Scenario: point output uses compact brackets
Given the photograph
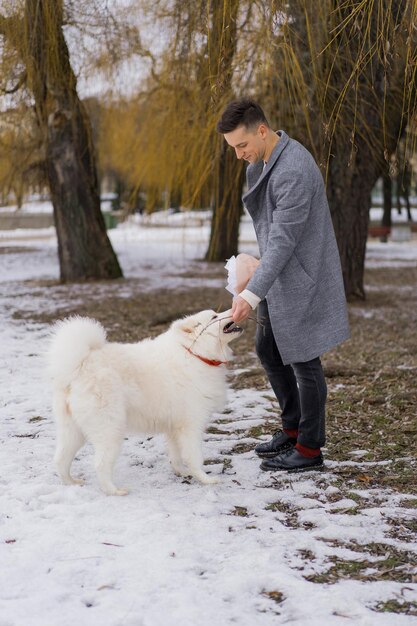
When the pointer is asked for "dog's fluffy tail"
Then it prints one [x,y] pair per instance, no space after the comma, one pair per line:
[72,341]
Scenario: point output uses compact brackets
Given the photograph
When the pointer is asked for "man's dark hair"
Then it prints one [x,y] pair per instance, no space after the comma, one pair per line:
[243,112]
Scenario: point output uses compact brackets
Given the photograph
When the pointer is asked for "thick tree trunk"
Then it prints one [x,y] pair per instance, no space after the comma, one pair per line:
[84,249]
[224,236]
[349,195]
[229,176]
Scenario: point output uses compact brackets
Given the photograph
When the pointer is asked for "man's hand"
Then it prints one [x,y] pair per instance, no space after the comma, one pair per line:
[240,309]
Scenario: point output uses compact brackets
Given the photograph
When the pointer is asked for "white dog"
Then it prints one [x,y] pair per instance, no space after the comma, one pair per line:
[170,384]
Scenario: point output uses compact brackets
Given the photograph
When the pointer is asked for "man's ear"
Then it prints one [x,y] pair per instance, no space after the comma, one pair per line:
[262,130]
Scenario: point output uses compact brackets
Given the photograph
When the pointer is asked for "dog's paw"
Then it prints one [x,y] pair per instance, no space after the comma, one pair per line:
[73,481]
[210,480]
[180,471]
[114,491]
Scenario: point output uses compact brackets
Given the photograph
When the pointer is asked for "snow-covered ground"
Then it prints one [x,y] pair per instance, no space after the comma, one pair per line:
[35,204]
[172,552]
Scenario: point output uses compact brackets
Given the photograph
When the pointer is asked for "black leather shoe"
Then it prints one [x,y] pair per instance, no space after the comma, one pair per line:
[292,461]
[279,443]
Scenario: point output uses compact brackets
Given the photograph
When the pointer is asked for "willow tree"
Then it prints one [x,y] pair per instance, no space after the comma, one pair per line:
[172,148]
[346,88]
[35,32]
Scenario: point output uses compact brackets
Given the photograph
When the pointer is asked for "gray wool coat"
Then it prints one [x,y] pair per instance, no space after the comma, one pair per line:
[299,274]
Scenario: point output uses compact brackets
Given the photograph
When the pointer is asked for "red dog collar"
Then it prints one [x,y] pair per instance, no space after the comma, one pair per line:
[208,361]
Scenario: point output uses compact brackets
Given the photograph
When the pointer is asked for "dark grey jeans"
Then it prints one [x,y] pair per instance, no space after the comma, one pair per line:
[300,388]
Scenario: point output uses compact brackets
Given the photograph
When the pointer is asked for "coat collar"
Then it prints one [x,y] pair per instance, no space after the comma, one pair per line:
[256,173]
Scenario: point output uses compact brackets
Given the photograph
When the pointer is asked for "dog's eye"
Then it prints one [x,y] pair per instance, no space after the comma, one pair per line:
[214,317]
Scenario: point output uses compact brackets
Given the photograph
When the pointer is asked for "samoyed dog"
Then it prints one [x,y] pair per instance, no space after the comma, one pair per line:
[170,384]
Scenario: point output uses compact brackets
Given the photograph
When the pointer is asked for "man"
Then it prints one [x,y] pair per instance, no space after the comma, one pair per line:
[298,285]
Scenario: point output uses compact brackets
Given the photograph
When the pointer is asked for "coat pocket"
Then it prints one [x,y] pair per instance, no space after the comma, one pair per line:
[294,278]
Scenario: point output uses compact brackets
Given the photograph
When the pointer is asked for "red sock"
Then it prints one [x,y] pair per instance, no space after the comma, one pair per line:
[291,432]
[308,452]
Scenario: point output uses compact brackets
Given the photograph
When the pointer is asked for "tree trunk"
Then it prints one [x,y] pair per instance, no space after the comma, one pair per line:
[228,178]
[349,193]
[386,221]
[224,236]
[387,199]
[405,188]
[84,248]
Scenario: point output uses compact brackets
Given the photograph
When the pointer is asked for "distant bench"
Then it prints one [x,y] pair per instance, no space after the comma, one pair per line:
[12,221]
[379,231]
[399,231]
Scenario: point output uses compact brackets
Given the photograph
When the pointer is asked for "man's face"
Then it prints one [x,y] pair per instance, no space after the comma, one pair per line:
[249,144]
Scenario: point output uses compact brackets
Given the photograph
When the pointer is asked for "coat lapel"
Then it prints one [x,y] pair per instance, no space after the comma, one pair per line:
[257,174]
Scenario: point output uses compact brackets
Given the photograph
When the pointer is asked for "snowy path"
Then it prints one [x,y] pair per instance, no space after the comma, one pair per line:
[172,552]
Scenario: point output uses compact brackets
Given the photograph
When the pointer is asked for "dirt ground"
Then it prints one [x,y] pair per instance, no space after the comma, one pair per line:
[372,396]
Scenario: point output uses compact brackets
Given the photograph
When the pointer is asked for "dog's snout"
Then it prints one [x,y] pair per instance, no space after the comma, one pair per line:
[231,327]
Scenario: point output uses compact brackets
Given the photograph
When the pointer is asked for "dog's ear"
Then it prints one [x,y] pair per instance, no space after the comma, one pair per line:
[186,325]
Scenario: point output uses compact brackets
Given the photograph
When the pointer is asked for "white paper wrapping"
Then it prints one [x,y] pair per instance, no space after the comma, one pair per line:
[231,275]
